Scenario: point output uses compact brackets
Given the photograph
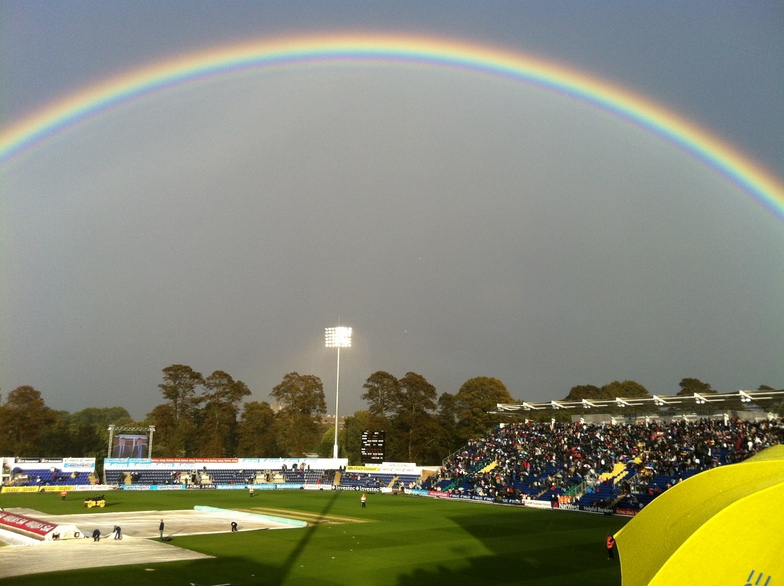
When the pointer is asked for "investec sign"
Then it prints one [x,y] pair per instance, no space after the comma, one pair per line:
[26,524]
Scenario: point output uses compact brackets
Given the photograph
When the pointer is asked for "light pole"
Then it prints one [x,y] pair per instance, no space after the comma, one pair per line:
[339,337]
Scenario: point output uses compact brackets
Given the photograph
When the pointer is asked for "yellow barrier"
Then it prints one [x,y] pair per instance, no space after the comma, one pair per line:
[21,489]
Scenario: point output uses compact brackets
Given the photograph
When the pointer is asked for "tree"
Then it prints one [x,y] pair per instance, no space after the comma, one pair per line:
[218,417]
[414,424]
[580,392]
[23,418]
[475,399]
[689,386]
[179,388]
[100,416]
[298,423]
[627,389]
[382,392]
[166,444]
[178,433]
[256,435]
[448,438]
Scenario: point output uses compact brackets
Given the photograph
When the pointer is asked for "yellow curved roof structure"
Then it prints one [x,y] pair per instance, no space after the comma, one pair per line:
[723,526]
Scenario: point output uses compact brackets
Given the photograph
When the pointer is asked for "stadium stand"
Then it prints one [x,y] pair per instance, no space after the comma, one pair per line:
[598,465]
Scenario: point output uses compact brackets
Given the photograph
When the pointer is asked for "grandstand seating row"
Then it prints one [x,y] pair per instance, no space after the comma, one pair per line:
[45,477]
[207,475]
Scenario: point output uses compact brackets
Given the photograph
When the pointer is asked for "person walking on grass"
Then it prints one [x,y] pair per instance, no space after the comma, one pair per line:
[363,500]
[160,528]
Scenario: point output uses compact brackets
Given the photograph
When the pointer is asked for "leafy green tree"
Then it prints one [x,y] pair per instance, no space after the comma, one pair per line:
[256,432]
[474,401]
[176,427]
[298,423]
[166,444]
[23,418]
[415,429]
[102,417]
[179,387]
[689,386]
[383,394]
[448,438]
[580,392]
[218,418]
[627,389]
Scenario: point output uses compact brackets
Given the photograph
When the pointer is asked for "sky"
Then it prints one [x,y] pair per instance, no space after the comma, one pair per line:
[463,224]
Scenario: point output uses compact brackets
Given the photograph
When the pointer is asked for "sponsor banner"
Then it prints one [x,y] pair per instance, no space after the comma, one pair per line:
[86,465]
[438,494]
[195,460]
[248,465]
[416,491]
[624,512]
[56,488]
[94,487]
[290,485]
[255,487]
[400,468]
[538,504]
[471,497]
[167,487]
[20,489]
[357,489]
[200,487]
[136,487]
[363,469]
[23,523]
[598,510]
[318,487]
[79,464]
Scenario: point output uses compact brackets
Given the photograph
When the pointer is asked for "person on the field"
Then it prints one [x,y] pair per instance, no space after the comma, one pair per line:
[233,526]
[160,528]
[610,545]
[97,535]
[117,532]
[363,500]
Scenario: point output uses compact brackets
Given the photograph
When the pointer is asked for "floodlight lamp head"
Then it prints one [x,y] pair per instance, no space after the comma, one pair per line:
[338,337]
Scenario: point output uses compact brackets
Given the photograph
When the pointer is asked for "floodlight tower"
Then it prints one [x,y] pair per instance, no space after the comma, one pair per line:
[339,337]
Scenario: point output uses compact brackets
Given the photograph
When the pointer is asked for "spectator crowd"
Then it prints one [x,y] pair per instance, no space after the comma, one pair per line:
[544,460]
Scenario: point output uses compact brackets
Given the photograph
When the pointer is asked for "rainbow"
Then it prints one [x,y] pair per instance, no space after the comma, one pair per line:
[752,178]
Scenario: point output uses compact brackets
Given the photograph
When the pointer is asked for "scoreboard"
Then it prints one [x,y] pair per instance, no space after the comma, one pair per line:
[373,447]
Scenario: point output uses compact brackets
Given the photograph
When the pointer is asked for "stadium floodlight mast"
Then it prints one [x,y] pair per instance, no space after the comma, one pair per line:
[338,337]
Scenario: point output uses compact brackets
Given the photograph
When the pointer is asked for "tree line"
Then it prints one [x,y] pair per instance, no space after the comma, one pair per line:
[207,416]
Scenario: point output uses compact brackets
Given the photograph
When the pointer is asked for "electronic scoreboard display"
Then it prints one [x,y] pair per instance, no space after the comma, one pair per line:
[373,446]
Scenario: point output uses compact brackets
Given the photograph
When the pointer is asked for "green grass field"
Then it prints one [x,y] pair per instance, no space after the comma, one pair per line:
[405,541]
